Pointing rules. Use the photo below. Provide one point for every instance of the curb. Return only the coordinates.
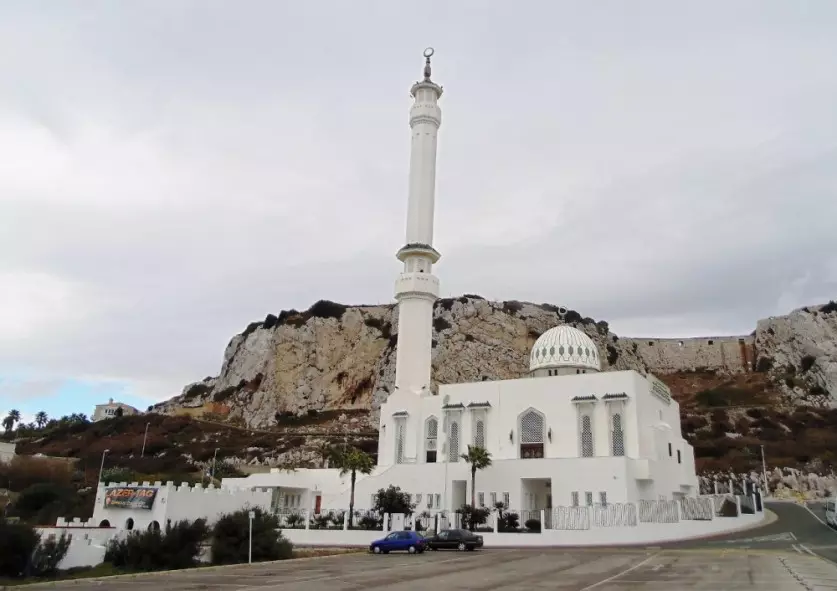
(202, 569)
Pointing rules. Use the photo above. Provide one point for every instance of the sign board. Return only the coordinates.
(659, 389)
(130, 497)
(252, 514)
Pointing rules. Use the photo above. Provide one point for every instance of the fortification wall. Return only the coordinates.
(732, 354)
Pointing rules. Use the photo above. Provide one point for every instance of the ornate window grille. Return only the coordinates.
(586, 436)
(617, 435)
(481, 499)
(588, 498)
(531, 434)
(478, 427)
(400, 436)
(431, 439)
(603, 498)
(453, 441)
(493, 499)
(418, 498)
(574, 498)
(438, 501)
(506, 499)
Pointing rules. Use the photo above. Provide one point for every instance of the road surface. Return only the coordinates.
(778, 557)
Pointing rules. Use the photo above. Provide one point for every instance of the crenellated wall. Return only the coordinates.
(729, 354)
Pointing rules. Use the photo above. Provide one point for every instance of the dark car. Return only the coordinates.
(407, 541)
(454, 539)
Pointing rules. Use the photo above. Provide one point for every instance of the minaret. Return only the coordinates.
(417, 288)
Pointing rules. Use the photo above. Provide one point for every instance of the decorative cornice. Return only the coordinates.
(418, 248)
(479, 405)
(618, 396)
(587, 398)
(457, 406)
(401, 413)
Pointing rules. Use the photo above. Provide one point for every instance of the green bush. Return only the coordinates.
(230, 538)
(151, 550)
(48, 555)
(17, 543)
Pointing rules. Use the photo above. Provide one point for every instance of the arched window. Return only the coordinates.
(617, 436)
(479, 434)
(531, 434)
(104, 523)
(586, 436)
(129, 524)
(431, 438)
(400, 427)
(453, 442)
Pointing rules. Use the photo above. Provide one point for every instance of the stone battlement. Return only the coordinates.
(171, 486)
(732, 354)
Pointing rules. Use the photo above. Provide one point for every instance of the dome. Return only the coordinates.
(564, 346)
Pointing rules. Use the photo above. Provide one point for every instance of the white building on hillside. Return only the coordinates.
(565, 434)
(7, 452)
(113, 409)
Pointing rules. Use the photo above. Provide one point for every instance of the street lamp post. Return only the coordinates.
(764, 472)
(214, 459)
(251, 515)
(102, 466)
(144, 437)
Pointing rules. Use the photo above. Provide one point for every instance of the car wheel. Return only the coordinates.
(411, 550)
(461, 547)
(376, 549)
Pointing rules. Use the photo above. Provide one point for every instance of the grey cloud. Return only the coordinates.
(186, 167)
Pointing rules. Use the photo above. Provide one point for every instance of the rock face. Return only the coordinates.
(337, 357)
(800, 353)
(332, 356)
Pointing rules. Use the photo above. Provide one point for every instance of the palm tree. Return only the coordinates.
(10, 420)
(352, 462)
(479, 458)
(41, 419)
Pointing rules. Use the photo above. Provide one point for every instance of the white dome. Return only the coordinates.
(564, 346)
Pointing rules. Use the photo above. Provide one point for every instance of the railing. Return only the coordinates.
(574, 518)
(614, 514)
(330, 519)
(658, 512)
(699, 509)
(291, 518)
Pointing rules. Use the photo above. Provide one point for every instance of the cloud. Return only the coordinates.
(171, 172)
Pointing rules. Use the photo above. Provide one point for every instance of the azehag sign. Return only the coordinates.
(130, 497)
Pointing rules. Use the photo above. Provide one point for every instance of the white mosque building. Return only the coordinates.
(566, 434)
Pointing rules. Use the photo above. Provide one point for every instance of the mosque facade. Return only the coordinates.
(564, 434)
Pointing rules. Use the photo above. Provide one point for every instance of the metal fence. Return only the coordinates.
(614, 514)
(698, 509)
(575, 518)
(658, 512)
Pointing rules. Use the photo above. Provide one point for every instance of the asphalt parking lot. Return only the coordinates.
(777, 557)
(580, 570)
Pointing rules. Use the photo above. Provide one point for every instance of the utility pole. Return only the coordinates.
(144, 437)
(251, 515)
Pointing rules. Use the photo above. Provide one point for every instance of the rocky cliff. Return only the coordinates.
(799, 351)
(337, 357)
(333, 356)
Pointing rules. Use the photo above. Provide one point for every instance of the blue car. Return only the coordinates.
(406, 541)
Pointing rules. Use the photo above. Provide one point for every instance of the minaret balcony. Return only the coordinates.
(416, 248)
(421, 284)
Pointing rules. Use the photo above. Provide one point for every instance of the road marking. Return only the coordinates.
(793, 535)
(817, 517)
(807, 549)
(617, 575)
(795, 547)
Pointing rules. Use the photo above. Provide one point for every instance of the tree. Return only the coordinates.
(479, 458)
(41, 419)
(119, 411)
(352, 462)
(231, 538)
(393, 500)
(10, 420)
(18, 542)
(152, 549)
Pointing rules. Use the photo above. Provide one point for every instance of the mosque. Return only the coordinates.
(565, 434)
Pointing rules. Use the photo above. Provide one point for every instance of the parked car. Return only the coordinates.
(831, 512)
(408, 541)
(459, 539)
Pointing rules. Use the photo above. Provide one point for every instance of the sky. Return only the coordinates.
(173, 170)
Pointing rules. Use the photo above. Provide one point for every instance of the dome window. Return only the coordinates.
(552, 350)
(561, 350)
(570, 350)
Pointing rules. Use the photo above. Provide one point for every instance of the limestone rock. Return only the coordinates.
(800, 352)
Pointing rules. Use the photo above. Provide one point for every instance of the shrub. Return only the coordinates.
(152, 550)
(572, 316)
(473, 516)
(512, 306)
(440, 324)
(612, 354)
(764, 364)
(807, 362)
(24, 471)
(326, 309)
(829, 307)
(533, 525)
(48, 555)
(230, 538)
(18, 542)
(729, 508)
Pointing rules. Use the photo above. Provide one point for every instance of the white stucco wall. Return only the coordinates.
(176, 503)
